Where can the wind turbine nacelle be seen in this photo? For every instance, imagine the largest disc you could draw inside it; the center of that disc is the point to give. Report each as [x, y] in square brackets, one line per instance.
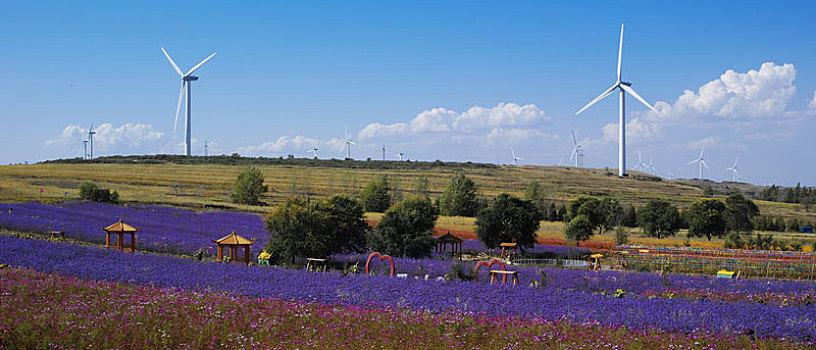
[627, 83]
[191, 78]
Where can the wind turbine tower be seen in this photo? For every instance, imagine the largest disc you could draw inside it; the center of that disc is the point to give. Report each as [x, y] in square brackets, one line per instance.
[701, 162]
[735, 175]
[186, 79]
[91, 133]
[624, 87]
[347, 144]
[576, 149]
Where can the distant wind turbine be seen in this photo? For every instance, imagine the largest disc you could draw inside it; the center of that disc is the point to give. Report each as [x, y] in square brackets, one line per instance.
[347, 144]
[186, 79]
[576, 149]
[701, 162]
[91, 133]
[735, 175]
[652, 169]
[314, 151]
[670, 174]
[401, 154]
[515, 158]
[623, 86]
[85, 155]
[641, 165]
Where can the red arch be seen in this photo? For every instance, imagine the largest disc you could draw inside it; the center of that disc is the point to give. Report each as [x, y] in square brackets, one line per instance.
[488, 264]
[382, 257]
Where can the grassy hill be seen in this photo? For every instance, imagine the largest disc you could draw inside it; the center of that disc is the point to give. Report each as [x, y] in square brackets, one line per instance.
[201, 182]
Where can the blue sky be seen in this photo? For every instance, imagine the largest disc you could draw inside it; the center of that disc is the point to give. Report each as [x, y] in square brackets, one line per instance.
[434, 80]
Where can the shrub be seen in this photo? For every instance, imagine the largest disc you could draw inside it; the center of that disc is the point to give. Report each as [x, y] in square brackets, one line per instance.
[249, 187]
[88, 190]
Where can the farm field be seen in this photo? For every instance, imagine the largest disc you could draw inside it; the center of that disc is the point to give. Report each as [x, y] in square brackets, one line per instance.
[206, 186]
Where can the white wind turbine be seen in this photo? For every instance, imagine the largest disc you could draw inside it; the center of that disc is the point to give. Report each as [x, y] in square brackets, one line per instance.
[401, 154]
[91, 133]
[576, 149]
[186, 79]
[347, 144]
[313, 150]
[670, 174]
[641, 165]
[623, 86]
[652, 169]
[735, 175]
[701, 162]
[85, 155]
[515, 158]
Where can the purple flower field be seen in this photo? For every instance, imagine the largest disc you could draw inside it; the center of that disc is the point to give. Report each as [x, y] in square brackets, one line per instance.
[541, 303]
[161, 229]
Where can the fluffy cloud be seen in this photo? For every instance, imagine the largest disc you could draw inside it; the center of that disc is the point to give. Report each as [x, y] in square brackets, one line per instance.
[298, 146]
[747, 98]
[706, 142]
[476, 121]
[107, 135]
[812, 103]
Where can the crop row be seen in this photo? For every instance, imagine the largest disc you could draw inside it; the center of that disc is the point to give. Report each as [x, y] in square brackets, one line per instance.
[103, 315]
[543, 303]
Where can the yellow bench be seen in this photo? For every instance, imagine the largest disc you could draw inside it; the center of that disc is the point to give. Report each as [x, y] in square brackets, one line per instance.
[495, 273]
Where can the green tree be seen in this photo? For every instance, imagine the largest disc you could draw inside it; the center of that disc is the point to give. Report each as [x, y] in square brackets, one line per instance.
[88, 190]
[740, 213]
[422, 187]
[630, 219]
[406, 229]
[348, 222]
[602, 214]
[300, 228]
[375, 196]
[459, 198]
[509, 219]
[579, 229]
[706, 218]
[249, 187]
[659, 219]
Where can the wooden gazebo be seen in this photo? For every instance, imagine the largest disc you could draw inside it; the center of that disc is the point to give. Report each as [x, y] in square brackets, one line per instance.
[233, 242]
[455, 243]
[120, 229]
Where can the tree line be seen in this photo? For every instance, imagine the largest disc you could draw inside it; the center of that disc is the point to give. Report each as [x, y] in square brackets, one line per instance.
[302, 227]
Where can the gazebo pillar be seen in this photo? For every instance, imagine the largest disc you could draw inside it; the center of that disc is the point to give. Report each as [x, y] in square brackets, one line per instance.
[246, 254]
[220, 253]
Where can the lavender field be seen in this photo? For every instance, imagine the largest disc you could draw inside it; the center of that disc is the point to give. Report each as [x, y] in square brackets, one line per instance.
[546, 303]
[161, 229]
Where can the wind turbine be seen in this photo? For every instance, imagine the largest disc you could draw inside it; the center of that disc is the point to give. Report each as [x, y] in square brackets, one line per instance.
[735, 175]
[701, 161]
[576, 149]
[652, 169]
[401, 154]
[313, 150]
[186, 79]
[347, 144]
[670, 174]
[623, 86]
[641, 165]
[91, 133]
[515, 159]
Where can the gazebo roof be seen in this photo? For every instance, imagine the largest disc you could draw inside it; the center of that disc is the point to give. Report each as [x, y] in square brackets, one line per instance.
[233, 239]
[508, 244]
[449, 237]
[120, 227]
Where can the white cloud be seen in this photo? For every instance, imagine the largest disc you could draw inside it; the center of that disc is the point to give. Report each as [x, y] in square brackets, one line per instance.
[812, 103]
[476, 121]
[755, 94]
[707, 142]
[107, 135]
[299, 146]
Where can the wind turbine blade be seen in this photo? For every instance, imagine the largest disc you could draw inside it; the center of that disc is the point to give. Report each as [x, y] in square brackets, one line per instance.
[352, 142]
[574, 142]
[633, 93]
[199, 64]
[178, 106]
[600, 97]
[345, 130]
[342, 148]
[701, 152]
[693, 161]
[172, 63]
[573, 153]
[620, 53]
[704, 163]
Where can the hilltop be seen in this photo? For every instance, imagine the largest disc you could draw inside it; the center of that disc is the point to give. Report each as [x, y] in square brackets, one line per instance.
[205, 182]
